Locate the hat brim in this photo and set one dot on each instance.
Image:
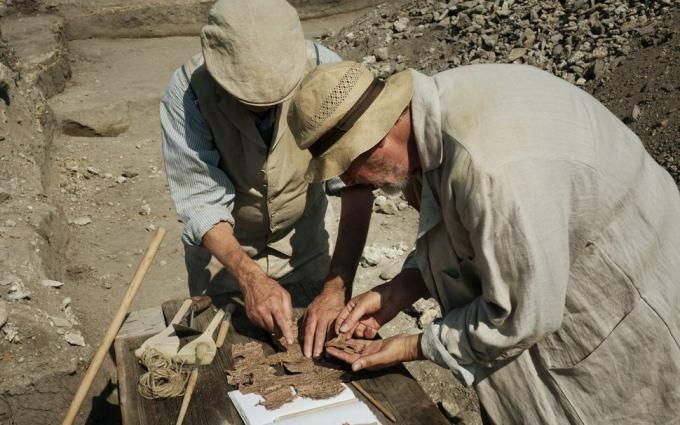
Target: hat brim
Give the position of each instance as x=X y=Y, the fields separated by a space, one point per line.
x=367 y=132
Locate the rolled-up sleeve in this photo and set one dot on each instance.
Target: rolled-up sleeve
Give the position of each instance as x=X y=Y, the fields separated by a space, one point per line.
x=202 y=193
x=518 y=221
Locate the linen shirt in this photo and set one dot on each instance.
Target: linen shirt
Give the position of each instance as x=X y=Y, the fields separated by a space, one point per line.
x=202 y=193
x=551 y=239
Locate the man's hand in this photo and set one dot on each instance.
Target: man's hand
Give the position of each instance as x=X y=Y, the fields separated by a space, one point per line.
x=380 y=353
x=366 y=313
x=269 y=306
x=319 y=319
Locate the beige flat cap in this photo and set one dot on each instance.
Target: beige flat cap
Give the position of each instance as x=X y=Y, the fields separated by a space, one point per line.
x=255 y=49
x=341 y=111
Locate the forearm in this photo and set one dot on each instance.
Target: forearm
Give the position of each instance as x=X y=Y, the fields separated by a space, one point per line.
x=355 y=217
x=406 y=288
x=222 y=244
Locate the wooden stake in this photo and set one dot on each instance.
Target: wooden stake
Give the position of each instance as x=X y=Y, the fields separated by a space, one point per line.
x=116 y=323
x=201 y=352
x=187 y=395
x=375 y=402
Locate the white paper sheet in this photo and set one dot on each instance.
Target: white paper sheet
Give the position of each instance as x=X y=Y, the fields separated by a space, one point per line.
x=341 y=409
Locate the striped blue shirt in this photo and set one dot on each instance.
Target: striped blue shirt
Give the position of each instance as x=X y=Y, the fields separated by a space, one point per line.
x=201 y=191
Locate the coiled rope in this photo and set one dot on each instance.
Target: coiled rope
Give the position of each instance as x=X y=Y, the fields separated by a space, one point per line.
x=165 y=377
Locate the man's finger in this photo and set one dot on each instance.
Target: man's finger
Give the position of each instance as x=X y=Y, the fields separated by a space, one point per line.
x=310 y=327
x=343 y=316
x=284 y=326
x=353 y=317
x=345 y=357
x=370 y=332
x=376 y=360
x=266 y=322
x=360 y=330
x=320 y=336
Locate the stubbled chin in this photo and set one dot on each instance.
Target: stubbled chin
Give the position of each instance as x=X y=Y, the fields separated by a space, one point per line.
x=393 y=189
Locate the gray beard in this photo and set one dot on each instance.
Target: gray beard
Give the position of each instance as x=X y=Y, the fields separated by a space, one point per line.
x=393 y=189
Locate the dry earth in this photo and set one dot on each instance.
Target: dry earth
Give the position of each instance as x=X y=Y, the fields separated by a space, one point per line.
x=82 y=181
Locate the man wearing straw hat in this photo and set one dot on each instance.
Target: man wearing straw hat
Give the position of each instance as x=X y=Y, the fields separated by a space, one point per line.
x=252 y=222
x=547 y=233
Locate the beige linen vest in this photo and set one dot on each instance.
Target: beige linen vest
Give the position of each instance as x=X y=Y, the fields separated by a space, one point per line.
x=279 y=217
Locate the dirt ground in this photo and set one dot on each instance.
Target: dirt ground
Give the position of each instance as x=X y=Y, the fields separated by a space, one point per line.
x=85 y=186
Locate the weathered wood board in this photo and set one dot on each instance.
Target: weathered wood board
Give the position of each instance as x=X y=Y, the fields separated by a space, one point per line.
x=394 y=387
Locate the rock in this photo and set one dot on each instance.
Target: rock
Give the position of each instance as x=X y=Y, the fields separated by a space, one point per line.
x=10 y=223
x=428 y=317
x=368 y=59
x=108 y=121
x=391 y=270
x=600 y=53
x=66 y=302
x=598 y=69
x=60 y=322
x=19 y=295
x=635 y=114
x=3 y=313
x=516 y=53
x=401 y=206
x=92 y=170
x=450 y=408
x=489 y=40
x=371 y=257
x=11 y=333
x=385 y=205
x=528 y=38
x=74 y=338
x=382 y=53
x=107 y=285
x=150 y=227
x=129 y=174
x=121 y=179
x=51 y=283
x=145 y=210
x=400 y=25
x=4 y=196
x=82 y=221
x=423 y=305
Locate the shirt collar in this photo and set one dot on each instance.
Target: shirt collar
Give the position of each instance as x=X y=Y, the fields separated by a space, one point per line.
x=426 y=121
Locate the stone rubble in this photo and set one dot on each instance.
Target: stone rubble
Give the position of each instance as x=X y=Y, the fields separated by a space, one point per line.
x=51 y=283
x=576 y=40
x=3 y=313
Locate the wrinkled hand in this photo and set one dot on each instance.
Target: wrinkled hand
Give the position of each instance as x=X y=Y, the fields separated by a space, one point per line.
x=319 y=319
x=366 y=313
x=380 y=353
x=268 y=305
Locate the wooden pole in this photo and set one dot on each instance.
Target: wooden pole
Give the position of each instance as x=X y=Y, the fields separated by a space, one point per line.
x=375 y=402
x=116 y=323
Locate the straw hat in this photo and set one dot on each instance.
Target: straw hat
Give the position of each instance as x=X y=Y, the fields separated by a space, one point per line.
x=342 y=111
x=255 y=49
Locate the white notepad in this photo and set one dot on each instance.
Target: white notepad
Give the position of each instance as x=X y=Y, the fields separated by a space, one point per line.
x=345 y=408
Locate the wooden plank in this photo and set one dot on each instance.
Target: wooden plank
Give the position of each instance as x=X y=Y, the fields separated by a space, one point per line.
x=138 y=326
x=149 y=321
x=210 y=403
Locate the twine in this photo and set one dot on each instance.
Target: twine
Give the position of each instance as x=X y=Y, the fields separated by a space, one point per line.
x=165 y=377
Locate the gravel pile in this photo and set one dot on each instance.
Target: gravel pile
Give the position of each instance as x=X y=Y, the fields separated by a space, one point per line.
x=578 y=40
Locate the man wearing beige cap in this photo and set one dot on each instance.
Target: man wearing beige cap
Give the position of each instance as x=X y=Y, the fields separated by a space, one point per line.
x=547 y=233
x=252 y=222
